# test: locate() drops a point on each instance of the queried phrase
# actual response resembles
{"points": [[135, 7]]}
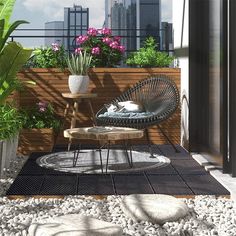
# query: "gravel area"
{"points": [[208, 215]]}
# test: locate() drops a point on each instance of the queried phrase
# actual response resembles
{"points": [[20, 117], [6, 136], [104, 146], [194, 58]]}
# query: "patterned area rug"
{"points": [[89, 161]]}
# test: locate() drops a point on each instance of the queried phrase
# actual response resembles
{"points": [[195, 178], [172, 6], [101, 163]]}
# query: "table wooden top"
{"points": [[79, 95], [103, 133]]}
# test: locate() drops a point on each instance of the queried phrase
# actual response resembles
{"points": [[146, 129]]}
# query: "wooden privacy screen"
{"points": [[108, 83]]}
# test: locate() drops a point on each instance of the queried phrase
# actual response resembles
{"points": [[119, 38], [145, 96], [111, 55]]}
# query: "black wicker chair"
{"points": [[160, 97]]}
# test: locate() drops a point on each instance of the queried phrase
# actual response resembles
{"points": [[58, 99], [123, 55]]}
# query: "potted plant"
{"points": [[149, 56], [10, 123], [78, 66], [106, 49], [12, 57], [39, 128]]}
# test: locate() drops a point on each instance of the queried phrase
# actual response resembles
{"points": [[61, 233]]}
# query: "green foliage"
{"points": [[12, 55], [48, 58], [79, 64], [148, 56], [11, 121], [12, 58], [41, 116], [6, 28]]}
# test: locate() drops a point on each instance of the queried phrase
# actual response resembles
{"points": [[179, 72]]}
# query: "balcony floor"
{"points": [[183, 177]]}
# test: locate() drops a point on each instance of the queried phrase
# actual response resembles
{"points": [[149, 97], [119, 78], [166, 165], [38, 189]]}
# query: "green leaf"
{"points": [[12, 58], [8, 32], [6, 8]]}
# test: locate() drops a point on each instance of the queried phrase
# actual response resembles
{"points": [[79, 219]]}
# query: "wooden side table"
{"points": [[105, 134], [73, 102]]}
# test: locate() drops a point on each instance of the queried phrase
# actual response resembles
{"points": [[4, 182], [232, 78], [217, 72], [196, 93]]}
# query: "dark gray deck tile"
{"points": [[26, 185], [189, 167], [169, 152], [95, 185], [169, 184], [59, 185], [130, 184], [205, 185]]}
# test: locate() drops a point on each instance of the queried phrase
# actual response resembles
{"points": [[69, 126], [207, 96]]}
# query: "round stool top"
{"points": [[79, 95], [103, 133]]}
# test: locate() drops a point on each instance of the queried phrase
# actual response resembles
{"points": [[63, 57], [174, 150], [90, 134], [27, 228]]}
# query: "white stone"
{"points": [[74, 225], [155, 208]]}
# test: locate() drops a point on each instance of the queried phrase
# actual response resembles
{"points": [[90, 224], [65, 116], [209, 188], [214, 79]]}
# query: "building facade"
{"points": [[54, 32], [134, 20], [76, 22]]}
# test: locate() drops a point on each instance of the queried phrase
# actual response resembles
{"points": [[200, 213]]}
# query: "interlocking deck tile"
{"points": [[32, 168], [205, 185], [169, 152], [95, 185], [26, 185], [167, 170], [169, 184], [59, 185], [130, 184], [189, 167]]}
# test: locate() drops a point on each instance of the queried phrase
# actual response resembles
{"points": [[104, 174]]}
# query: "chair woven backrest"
{"points": [[158, 94]]}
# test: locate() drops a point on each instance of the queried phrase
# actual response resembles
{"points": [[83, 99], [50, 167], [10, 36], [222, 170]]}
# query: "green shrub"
{"points": [[11, 121], [41, 116], [148, 56], [49, 57]]}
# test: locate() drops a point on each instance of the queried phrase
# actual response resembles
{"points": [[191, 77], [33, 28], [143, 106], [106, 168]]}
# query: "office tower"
{"points": [[166, 36], [135, 20], [76, 22], [54, 32]]}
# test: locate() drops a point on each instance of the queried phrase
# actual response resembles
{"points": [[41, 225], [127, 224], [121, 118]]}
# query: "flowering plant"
{"points": [[41, 116], [49, 57], [105, 48]]}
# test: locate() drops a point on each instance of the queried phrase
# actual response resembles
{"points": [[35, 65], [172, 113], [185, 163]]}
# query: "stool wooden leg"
{"points": [[92, 112]]}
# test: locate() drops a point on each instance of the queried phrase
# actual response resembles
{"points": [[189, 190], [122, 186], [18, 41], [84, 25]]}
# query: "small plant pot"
{"points": [[78, 83]]}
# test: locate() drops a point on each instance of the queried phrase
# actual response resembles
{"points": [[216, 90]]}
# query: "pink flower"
{"points": [[78, 50], [82, 39], [114, 45], [92, 32], [95, 51], [105, 31], [121, 49], [55, 47], [117, 38], [106, 40], [42, 106]]}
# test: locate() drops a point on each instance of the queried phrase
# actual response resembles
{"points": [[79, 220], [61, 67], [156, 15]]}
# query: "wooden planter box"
{"points": [[35, 140], [107, 83]]}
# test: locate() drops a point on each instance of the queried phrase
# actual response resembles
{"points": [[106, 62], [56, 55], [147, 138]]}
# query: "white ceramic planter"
{"points": [[78, 83], [8, 150]]}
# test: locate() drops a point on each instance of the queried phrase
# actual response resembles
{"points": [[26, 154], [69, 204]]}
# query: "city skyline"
{"points": [[41, 11]]}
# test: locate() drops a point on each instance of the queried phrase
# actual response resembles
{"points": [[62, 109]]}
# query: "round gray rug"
{"points": [[89, 161]]}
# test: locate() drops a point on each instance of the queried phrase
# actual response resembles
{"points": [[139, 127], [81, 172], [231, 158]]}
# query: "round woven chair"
{"points": [[160, 98]]}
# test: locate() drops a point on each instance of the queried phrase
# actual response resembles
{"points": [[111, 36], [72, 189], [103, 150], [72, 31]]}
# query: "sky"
{"points": [[37, 12]]}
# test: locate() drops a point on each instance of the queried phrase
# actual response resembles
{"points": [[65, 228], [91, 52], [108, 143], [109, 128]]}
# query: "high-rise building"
{"points": [[135, 20], [54, 32], [76, 22], [166, 36]]}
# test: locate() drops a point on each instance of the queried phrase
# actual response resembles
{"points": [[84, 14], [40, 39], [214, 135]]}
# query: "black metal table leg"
{"points": [[126, 152], [100, 154], [108, 152], [76, 155]]}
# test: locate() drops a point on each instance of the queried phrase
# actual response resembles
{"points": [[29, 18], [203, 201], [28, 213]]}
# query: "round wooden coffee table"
{"points": [[105, 135]]}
